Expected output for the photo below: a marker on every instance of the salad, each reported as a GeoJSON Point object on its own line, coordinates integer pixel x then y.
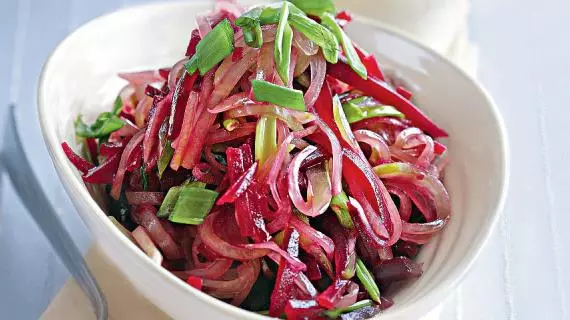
{"type": "Point", "coordinates": [274, 167]}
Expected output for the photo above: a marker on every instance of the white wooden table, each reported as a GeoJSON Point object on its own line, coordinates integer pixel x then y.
{"type": "Point", "coordinates": [523, 273]}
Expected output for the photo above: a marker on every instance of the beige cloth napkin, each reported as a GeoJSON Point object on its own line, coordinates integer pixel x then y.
{"type": "Point", "coordinates": [440, 24]}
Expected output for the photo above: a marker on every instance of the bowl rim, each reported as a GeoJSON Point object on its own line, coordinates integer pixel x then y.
{"type": "Point", "coordinates": [426, 303]}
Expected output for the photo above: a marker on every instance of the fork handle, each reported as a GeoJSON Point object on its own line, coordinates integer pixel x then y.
{"type": "Point", "coordinates": [38, 205]}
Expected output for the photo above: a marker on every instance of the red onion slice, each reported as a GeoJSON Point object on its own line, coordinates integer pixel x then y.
{"type": "Point", "coordinates": [318, 73]}
{"type": "Point", "coordinates": [380, 150]}
{"type": "Point", "coordinates": [145, 243]}
{"type": "Point", "coordinates": [118, 180]}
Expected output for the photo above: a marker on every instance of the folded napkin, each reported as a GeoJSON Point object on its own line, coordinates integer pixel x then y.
{"type": "Point", "coordinates": [439, 24]}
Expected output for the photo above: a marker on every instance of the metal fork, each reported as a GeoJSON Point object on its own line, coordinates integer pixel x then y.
{"type": "Point", "coordinates": [16, 165]}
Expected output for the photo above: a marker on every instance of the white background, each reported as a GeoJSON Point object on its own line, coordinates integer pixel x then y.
{"type": "Point", "coordinates": [524, 61]}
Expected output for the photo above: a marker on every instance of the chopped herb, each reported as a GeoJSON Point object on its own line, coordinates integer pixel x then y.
{"type": "Point", "coordinates": [167, 206]}
{"type": "Point", "coordinates": [106, 123]}
{"type": "Point", "coordinates": [165, 158]}
{"type": "Point", "coordinates": [251, 27]}
{"type": "Point", "coordinates": [117, 105]}
{"type": "Point", "coordinates": [144, 177]}
{"type": "Point", "coordinates": [365, 107]}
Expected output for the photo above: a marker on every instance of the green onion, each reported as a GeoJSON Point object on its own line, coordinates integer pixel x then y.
{"type": "Point", "coordinates": [342, 123]}
{"type": "Point", "coordinates": [367, 280]}
{"type": "Point", "coordinates": [212, 49]}
{"type": "Point", "coordinates": [335, 313]}
{"type": "Point", "coordinates": [117, 105]}
{"type": "Point", "coordinates": [193, 205]}
{"type": "Point", "coordinates": [283, 43]}
{"type": "Point", "coordinates": [329, 21]}
{"type": "Point", "coordinates": [165, 158]}
{"type": "Point", "coordinates": [268, 92]}
{"type": "Point", "coordinates": [106, 123]}
{"type": "Point", "coordinates": [169, 202]}
{"type": "Point", "coordinates": [265, 139]}
{"type": "Point", "coordinates": [315, 32]}
{"type": "Point", "coordinates": [230, 124]}
{"type": "Point", "coordinates": [364, 107]}
{"type": "Point", "coordinates": [251, 27]}
{"type": "Point", "coordinates": [315, 7]}
{"type": "Point", "coordinates": [339, 204]}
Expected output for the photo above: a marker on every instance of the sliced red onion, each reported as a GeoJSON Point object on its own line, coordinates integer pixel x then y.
{"type": "Point", "coordinates": [413, 137]}
{"type": "Point", "coordinates": [294, 119]}
{"type": "Point", "coordinates": [229, 6]}
{"type": "Point", "coordinates": [229, 74]}
{"type": "Point", "coordinates": [142, 111]}
{"type": "Point", "coordinates": [223, 135]}
{"type": "Point", "coordinates": [336, 177]}
{"type": "Point", "coordinates": [308, 47]}
{"type": "Point", "coordinates": [234, 101]}
{"type": "Point", "coordinates": [243, 252]}
{"type": "Point", "coordinates": [175, 73]}
{"type": "Point", "coordinates": [234, 287]}
{"type": "Point", "coordinates": [302, 64]}
{"type": "Point", "coordinates": [294, 190]}
{"type": "Point", "coordinates": [249, 271]}
{"type": "Point", "coordinates": [314, 236]}
{"type": "Point", "coordinates": [425, 185]}
{"type": "Point", "coordinates": [203, 25]}
{"type": "Point", "coordinates": [145, 216]}
{"type": "Point", "coordinates": [213, 270]}
{"type": "Point", "coordinates": [380, 150]}
{"type": "Point", "coordinates": [145, 243]}
{"type": "Point", "coordinates": [265, 69]}
{"type": "Point", "coordinates": [144, 197]}
{"type": "Point", "coordinates": [140, 78]}
{"type": "Point", "coordinates": [318, 73]}
{"type": "Point", "coordinates": [405, 202]}
{"type": "Point", "coordinates": [130, 147]}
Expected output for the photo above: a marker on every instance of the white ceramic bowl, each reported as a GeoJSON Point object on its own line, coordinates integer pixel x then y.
{"type": "Point", "coordinates": [80, 78]}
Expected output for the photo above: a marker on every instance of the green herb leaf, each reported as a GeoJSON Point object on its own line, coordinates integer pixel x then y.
{"type": "Point", "coordinates": [339, 204]}
{"type": "Point", "coordinates": [268, 92]}
{"type": "Point", "coordinates": [117, 105]}
{"type": "Point", "coordinates": [212, 49]}
{"type": "Point", "coordinates": [144, 177]}
{"type": "Point", "coordinates": [329, 21]}
{"type": "Point", "coordinates": [165, 158]}
{"type": "Point", "coordinates": [342, 122]}
{"type": "Point", "coordinates": [106, 123]}
{"type": "Point", "coordinates": [193, 205]}
{"type": "Point", "coordinates": [169, 202]}
{"type": "Point", "coordinates": [230, 124]}
{"type": "Point", "coordinates": [265, 138]}
{"type": "Point", "coordinates": [335, 313]}
{"type": "Point", "coordinates": [315, 7]}
{"type": "Point", "coordinates": [367, 280]}
{"type": "Point", "coordinates": [283, 43]}
{"type": "Point", "coordinates": [365, 107]}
